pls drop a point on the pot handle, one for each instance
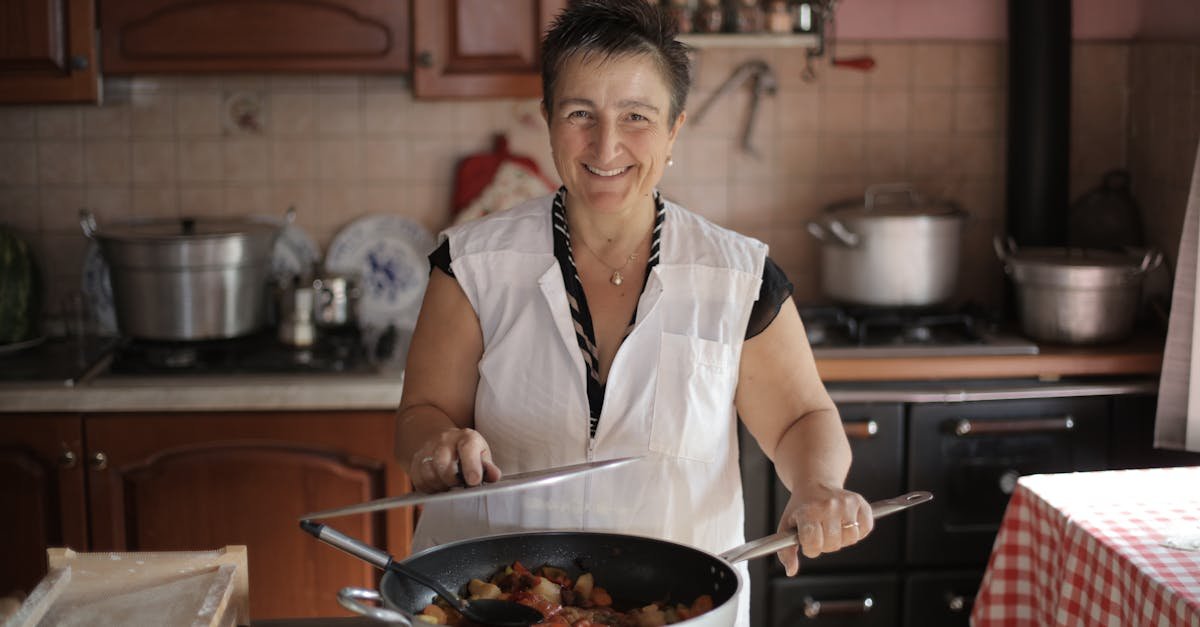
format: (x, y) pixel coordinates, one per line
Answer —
(351, 599)
(1152, 260)
(884, 189)
(87, 220)
(1005, 248)
(834, 232)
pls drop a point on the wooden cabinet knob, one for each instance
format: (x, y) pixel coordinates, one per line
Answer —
(98, 461)
(425, 58)
(67, 459)
(79, 62)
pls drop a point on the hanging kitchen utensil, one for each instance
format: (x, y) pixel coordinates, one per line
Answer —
(1106, 217)
(823, 24)
(505, 484)
(636, 570)
(765, 83)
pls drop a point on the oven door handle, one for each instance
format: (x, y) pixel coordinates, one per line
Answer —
(815, 608)
(967, 427)
(861, 429)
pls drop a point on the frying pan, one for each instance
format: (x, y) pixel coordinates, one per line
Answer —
(635, 570)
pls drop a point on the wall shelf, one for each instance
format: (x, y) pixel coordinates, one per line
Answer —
(751, 40)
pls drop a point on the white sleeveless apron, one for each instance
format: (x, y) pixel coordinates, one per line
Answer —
(669, 394)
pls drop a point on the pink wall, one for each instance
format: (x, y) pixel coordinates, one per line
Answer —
(987, 19)
(1170, 19)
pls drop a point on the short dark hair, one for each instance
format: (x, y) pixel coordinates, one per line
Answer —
(616, 28)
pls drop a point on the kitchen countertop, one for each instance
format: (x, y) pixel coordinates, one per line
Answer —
(1058, 371)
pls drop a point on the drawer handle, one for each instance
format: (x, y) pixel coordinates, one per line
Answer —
(99, 461)
(965, 426)
(861, 429)
(957, 603)
(814, 608)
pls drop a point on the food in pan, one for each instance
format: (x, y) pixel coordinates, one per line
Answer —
(563, 601)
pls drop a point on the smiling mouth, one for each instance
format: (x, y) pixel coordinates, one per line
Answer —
(607, 173)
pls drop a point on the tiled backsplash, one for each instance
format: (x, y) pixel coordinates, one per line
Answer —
(339, 147)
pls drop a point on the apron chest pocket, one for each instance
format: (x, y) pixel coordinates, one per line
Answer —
(693, 398)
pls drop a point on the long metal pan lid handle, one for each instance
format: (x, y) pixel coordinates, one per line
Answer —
(782, 540)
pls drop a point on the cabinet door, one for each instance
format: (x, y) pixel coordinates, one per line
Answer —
(480, 48)
(205, 480)
(940, 598)
(142, 36)
(48, 51)
(41, 494)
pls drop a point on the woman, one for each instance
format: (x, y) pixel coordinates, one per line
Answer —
(605, 321)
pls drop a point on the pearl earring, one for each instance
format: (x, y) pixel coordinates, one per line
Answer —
(670, 162)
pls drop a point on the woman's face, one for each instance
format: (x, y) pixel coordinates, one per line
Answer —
(611, 131)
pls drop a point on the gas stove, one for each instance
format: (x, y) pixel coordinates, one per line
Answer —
(339, 352)
(836, 332)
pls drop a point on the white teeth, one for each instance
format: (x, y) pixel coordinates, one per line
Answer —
(605, 172)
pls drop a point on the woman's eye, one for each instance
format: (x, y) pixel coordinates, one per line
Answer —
(579, 115)
(637, 117)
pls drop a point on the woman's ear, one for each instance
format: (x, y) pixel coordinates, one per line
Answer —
(677, 125)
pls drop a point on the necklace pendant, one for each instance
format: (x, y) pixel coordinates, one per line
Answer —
(616, 278)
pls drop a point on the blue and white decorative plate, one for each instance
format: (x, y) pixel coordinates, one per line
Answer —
(388, 255)
(97, 292)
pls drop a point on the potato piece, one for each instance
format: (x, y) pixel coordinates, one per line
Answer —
(433, 614)
(650, 616)
(583, 586)
(482, 590)
(548, 590)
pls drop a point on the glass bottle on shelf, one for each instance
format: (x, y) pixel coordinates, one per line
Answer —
(749, 17)
(779, 17)
(683, 12)
(710, 17)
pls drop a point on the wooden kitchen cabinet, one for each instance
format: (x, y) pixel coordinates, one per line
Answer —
(480, 48)
(147, 36)
(41, 494)
(196, 481)
(48, 51)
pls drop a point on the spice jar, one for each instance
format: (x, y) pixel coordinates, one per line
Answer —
(779, 17)
(710, 17)
(749, 17)
(683, 12)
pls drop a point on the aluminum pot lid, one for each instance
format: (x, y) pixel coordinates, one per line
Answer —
(895, 200)
(1078, 268)
(1075, 258)
(187, 228)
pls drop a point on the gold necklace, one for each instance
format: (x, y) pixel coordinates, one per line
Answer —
(616, 278)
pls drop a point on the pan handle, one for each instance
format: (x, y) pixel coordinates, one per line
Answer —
(351, 599)
(784, 539)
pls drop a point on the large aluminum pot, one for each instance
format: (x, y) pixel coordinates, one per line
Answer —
(893, 249)
(1076, 295)
(188, 279)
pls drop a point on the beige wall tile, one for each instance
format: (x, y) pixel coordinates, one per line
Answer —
(887, 110)
(724, 117)
(834, 77)
(247, 160)
(1099, 111)
(977, 110)
(154, 201)
(385, 198)
(202, 200)
(981, 65)
(292, 113)
(887, 157)
(935, 64)
(934, 155)
(293, 160)
(710, 201)
(1096, 153)
(152, 114)
(386, 112)
(59, 123)
(796, 205)
(201, 161)
(707, 160)
(198, 113)
(798, 111)
(931, 111)
(430, 160)
(284, 83)
(338, 114)
(337, 83)
(1100, 66)
(759, 165)
(17, 122)
(66, 250)
(384, 159)
(59, 207)
(106, 122)
(797, 156)
(339, 204)
(18, 163)
(302, 197)
(752, 204)
(109, 202)
(60, 162)
(250, 200)
(429, 205)
(977, 156)
(154, 161)
(843, 111)
(339, 160)
(19, 209)
(710, 68)
(838, 154)
(107, 161)
(893, 64)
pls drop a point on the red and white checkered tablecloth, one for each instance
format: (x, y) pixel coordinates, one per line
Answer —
(1086, 549)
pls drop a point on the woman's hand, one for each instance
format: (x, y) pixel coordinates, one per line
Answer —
(437, 464)
(826, 519)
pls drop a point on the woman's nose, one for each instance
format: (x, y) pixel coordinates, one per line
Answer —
(607, 142)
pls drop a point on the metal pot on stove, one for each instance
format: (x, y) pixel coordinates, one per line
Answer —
(187, 279)
(894, 248)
